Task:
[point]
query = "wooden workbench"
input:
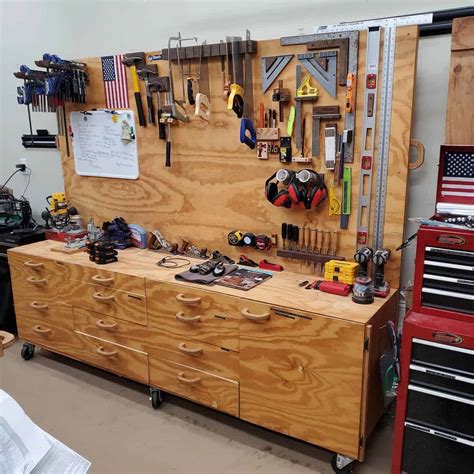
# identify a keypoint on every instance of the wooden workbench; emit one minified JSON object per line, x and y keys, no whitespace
{"x":300,"y":362}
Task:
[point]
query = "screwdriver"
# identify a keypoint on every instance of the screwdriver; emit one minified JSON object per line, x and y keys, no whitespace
{"x":296,"y":235}
{"x":289,"y":235}
{"x":284,"y":228}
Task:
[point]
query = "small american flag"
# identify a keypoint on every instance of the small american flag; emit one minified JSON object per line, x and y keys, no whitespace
{"x":115,"y":82}
{"x":458,"y":174}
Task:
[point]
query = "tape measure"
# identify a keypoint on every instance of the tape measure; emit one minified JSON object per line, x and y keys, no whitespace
{"x":236,"y":238}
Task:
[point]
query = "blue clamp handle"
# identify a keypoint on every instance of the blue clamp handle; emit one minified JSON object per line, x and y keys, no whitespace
{"x":247,"y":133}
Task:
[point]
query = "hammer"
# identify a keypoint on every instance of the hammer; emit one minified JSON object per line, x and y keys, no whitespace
{"x":134,"y":60}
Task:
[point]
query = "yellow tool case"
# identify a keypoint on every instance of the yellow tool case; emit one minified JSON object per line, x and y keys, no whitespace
{"x":339,"y":270}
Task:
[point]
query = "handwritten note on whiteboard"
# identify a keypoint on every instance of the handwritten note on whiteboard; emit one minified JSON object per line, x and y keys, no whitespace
{"x":104,"y":144}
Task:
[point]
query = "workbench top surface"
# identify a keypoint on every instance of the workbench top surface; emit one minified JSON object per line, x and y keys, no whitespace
{"x":280,"y":290}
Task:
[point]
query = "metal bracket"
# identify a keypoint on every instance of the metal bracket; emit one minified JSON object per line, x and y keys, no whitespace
{"x":343,"y":461}
{"x":325,"y":77}
{"x":272,"y":66}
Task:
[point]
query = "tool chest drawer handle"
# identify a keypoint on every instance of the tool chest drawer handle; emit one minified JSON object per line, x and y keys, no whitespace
{"x":36,"y":281}
{"x":41,"y":330}
{"x":254,"y":317}
{"x":103,"y":352}
{"x":182,"y":378}
{"x":186,"y":300}
{"x":103,"y":299}
{"x":100,"y":323}
{"x":31,"y":264}
{"x":99,"y":279}
{"x":183,"y":348}
{"x":187,"y":319}
{"x":36,"y":305}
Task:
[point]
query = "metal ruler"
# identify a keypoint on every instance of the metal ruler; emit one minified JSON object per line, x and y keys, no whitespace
{"x":389,"y":42}
{"x":353,"y":36}
{"x":421,"y":19}
{"x":368,"y":135}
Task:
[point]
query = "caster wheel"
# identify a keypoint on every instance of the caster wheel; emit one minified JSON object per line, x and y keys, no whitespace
{"x":156,"y":398}
{"x":345,"y":470}
{"x":27,"y":351}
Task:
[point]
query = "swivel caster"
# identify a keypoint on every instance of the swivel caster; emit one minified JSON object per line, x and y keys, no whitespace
{"x":27,"y":351}
{"x":342,"y":464}
{"x":156,"y":398}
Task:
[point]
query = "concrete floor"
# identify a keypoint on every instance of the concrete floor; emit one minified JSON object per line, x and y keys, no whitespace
{"x":109,"y":420}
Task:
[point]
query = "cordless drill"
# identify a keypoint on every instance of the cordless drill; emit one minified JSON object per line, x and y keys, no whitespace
{"x":379,"y":259}
{"x":362,"y":257}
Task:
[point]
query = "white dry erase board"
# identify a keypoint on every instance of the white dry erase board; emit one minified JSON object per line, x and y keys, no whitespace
{"x":99,"y":147}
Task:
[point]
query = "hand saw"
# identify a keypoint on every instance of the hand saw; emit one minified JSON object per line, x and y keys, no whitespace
{"x":203,"y":105}
{"x":248,"y":135}
{"x":236,"y":96}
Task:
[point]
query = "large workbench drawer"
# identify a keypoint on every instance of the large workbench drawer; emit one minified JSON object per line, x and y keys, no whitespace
{"x":110,"y":302}
{"x":111,"y":329}
{"x":38,"y":287}
{"x":45,"y":333}
{"x":38,"y":265}
{"x":107,"y":278}
{"x":198,"y":386}
{"x":195,"y":354}
{"x":48,"y":312}
{"x":120,"y":360}
{"x":208,"y":317}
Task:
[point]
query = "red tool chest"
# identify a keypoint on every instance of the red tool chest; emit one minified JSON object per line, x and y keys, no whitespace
{"x":434,"y":425}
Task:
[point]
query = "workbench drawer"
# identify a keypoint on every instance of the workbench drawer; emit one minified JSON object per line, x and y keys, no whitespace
{"x":49,"y":312}
{"x":201,"y":315}
{"x":195,"y":354}
{"x":107,"y":278}
{"x":44,"y":333}
{"x":115,"y":358}
{"x":109,"y":302}
{"x":39,"y":287}
{"x":38,"y":265}
{"x":216,"y":392}
{"x":111,"y":329}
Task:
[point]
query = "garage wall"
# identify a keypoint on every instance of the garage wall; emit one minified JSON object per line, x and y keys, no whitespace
{"x":81,"y":28}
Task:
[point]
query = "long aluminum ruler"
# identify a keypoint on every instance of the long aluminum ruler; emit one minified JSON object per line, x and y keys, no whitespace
{"x":353,"y":36}
{"x":368,"y":135}
{"x":383,"y":152}
{"x":421,"y":19}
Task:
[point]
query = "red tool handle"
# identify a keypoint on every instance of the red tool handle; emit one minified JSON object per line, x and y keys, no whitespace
{"x":334,"y":287}
{"x":270,"y":266}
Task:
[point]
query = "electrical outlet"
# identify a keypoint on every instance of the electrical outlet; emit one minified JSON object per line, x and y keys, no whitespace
{"x":23,"y":161}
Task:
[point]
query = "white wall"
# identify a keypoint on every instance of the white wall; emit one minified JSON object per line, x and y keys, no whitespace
{"x":81,"y":28}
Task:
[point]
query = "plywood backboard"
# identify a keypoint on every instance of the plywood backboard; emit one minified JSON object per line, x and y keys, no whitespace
{"x":216,"y":184}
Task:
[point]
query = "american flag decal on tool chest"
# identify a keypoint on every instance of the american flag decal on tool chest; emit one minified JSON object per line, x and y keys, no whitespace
{"x":114,"y":76}
{"x":458,"y":174}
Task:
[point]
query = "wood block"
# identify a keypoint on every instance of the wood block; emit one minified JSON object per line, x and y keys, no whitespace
{"x":462,"y":37}
{"x":216,"y":392}
{"x":268,"y":134}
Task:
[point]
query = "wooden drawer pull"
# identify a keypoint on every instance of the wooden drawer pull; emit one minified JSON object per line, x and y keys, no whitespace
{"x":31,"y":264}
{"x":36,"y":281}
{"x":99,"y":279}
{"x":254,"y":317}
{"x":103,"y":299}
{"x":186,"y":300}
{"x":36,"y":305}
{"x":187,"y":319}
{"x":103,"y":352}
{"x":100,"y":323}
{"x":182,"y":378}
{"x":183,"y":348}
{"x":41,"y":330}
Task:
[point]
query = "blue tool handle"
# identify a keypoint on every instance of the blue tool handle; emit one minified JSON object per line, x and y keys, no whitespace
{"x":247,"y":133}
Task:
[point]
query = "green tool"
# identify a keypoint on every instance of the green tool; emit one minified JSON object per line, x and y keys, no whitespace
{"x":346,"y":197}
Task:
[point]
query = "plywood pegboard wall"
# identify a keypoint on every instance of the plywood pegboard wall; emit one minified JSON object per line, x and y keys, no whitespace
{"x":216,"y":184}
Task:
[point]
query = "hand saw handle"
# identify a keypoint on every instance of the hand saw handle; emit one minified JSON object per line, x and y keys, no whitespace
{"x":248,"y":136}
